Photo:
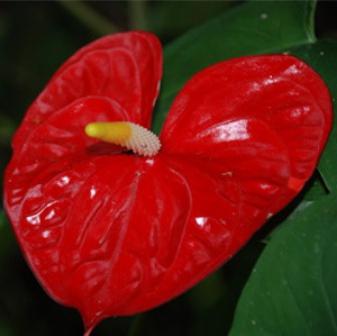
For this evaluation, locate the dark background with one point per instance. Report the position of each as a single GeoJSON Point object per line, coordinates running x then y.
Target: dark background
{"type": "Point", "coordinates": [35, 38]}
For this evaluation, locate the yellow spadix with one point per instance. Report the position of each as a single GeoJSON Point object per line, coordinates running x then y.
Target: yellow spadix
{"type": "Point", "coordinates": [126, 134]}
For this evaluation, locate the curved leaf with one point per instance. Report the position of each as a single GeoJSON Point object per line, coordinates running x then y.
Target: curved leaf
{"type": "Point", "coordinates": [292, 290]}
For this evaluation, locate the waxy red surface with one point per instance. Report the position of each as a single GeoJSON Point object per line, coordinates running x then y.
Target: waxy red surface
{"type": "Point", "coordinates": [112, 233]}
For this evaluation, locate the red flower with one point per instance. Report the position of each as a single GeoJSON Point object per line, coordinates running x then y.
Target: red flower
{"type": "Point", "coordinates": [114, 233]}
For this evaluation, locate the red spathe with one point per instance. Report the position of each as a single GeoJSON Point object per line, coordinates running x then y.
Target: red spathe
{"type": "Point", "coordinates": [111, 233]}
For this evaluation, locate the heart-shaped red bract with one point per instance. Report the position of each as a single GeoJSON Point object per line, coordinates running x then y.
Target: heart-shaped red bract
{"type": "Point", "coordinates": [112, 233]}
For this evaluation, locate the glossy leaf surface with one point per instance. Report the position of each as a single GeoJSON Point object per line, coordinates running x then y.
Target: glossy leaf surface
{"type": "Point", "coordinates": [296, 295]}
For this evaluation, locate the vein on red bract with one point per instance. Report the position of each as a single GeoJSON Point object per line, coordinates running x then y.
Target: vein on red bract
{"type": "Point", "coordinates": [111, 233]}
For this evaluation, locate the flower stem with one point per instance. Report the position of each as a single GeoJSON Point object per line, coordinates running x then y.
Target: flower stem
{"type": "Point", "coordinates": [84, 13]}
{"type": "Point", "coordinates": [137, 14]}
{"type": "Point", "coordinates": [136, 326]}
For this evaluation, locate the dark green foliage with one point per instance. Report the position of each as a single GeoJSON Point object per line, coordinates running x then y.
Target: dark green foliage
{"type": "Point", "coordinates": [292, 289]}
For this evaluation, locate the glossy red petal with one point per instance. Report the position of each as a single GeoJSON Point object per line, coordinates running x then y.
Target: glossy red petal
{"type": "Point", "coordinates": [57, 142]}
{"type": "Point", "coordinates": [114, 234]}
{"type": "Point", "coordinates": [125, 67]}
{"type": "Point", "coordinates": [99, 228]}
{"type": "Point", "coordinates": [224, 211]}
{"type": "Point", "coordinates": [216, 116]}
{"type": "Point", "coordinates": [102, 232]}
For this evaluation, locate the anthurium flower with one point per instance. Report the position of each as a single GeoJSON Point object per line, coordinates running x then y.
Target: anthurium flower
{"type": "Point", "coordinates": [114, 220]}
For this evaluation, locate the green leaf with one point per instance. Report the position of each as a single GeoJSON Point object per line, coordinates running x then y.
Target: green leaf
{"type": "Point", "coordinates": [315, 188]}
{"type": "Point", "coordinates": [292, 290]}
{"type": "Point", "coordinates": [322, 57]}
{"type": "Point", "coordinates": [252, 28]}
